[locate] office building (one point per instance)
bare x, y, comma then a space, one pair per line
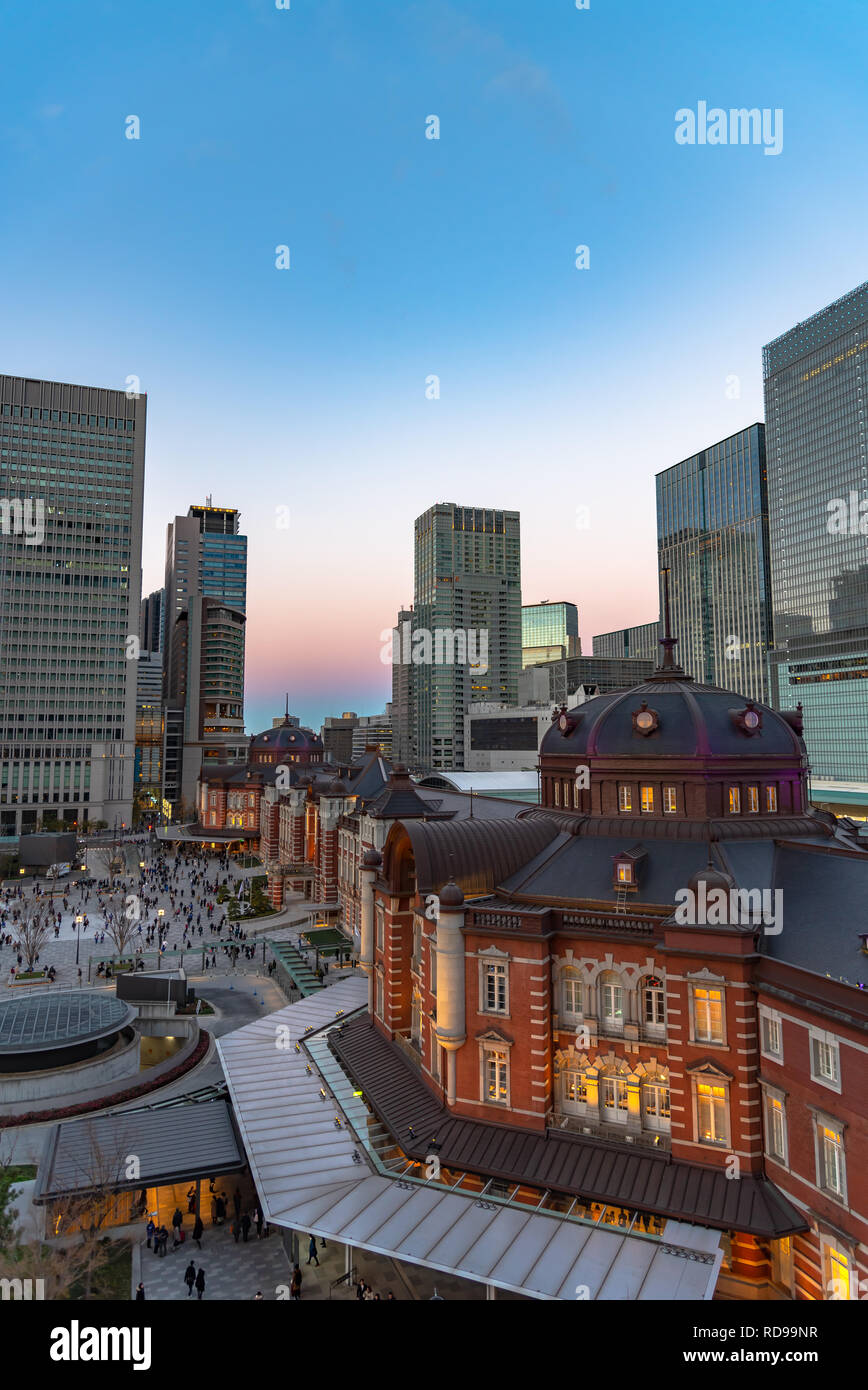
152, 622
72, 463
207, 684
561, 682
818, 496
549, 632
630, 643
712, 537
403, 744
149, 726
466, 639
373, 732
337, 736
504, 738
205, 554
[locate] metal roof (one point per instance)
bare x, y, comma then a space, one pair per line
48, 1019
589, 1168
301, 1146
172, 1145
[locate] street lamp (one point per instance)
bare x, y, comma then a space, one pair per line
78, 921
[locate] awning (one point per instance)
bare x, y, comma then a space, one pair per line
326, 940
172, 1145
312, 1175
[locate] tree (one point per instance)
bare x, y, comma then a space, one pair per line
126, 912
109, 859
32, 933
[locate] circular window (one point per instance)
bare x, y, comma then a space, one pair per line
751, 719
645, 720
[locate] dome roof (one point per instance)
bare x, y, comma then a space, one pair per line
686, 720
712, 877
286, 736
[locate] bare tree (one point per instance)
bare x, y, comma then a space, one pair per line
109, 859
32, 932
126, 915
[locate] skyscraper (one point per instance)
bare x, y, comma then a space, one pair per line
818, 494
403, 741
630, 643
466, 631
151, 625
203, 659
71, 480
549, 632
712, 536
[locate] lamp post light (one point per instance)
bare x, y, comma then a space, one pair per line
78, 921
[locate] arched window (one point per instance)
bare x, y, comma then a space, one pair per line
613, 1098
572, 1004
611, 1002
574, 1091
655, 1102
652, 1003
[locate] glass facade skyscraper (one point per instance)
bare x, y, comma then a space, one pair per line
818, 479
467, 583
72, 463
712, 536
630, 643
545, 627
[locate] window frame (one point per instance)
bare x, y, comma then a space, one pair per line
773, 1018
820, 1038
625, 798
775, 1104
646, 799
707, 987
491, 963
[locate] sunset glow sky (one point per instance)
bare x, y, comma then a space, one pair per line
305, 388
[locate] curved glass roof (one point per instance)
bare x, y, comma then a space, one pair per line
47, 1020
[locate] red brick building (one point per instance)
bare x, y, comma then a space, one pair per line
645, 996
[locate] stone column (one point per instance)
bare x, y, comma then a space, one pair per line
451, 1030
371, 861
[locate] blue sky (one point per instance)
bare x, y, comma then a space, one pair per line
305, 388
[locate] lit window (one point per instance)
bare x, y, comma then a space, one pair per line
837, 1271
656, 1098
711, 1113
776, 1133
753, 798
648, 800
557, 793
575, 1090
614, 1099
771, 798
670, 803
625, 800
708, 1014
496, 1077
734, 801
625, 873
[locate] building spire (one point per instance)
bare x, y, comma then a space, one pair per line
668, 666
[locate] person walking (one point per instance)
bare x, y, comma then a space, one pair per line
311, 1251
177, 1223
245, 1226
190, 1277
140, 1293
361, 1289
200, 1282
295, 1284
151, 1231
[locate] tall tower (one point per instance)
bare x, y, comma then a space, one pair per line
712, 537
71, 481
818, 494
466, 640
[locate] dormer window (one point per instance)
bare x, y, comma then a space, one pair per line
624, 873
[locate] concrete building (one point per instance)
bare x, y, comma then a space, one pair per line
71, 479
818, 495
205, 554
504, 738
337, 736
466, 631
152, 622
373, 731
566, 678
712, 537
403, 740
640, 643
